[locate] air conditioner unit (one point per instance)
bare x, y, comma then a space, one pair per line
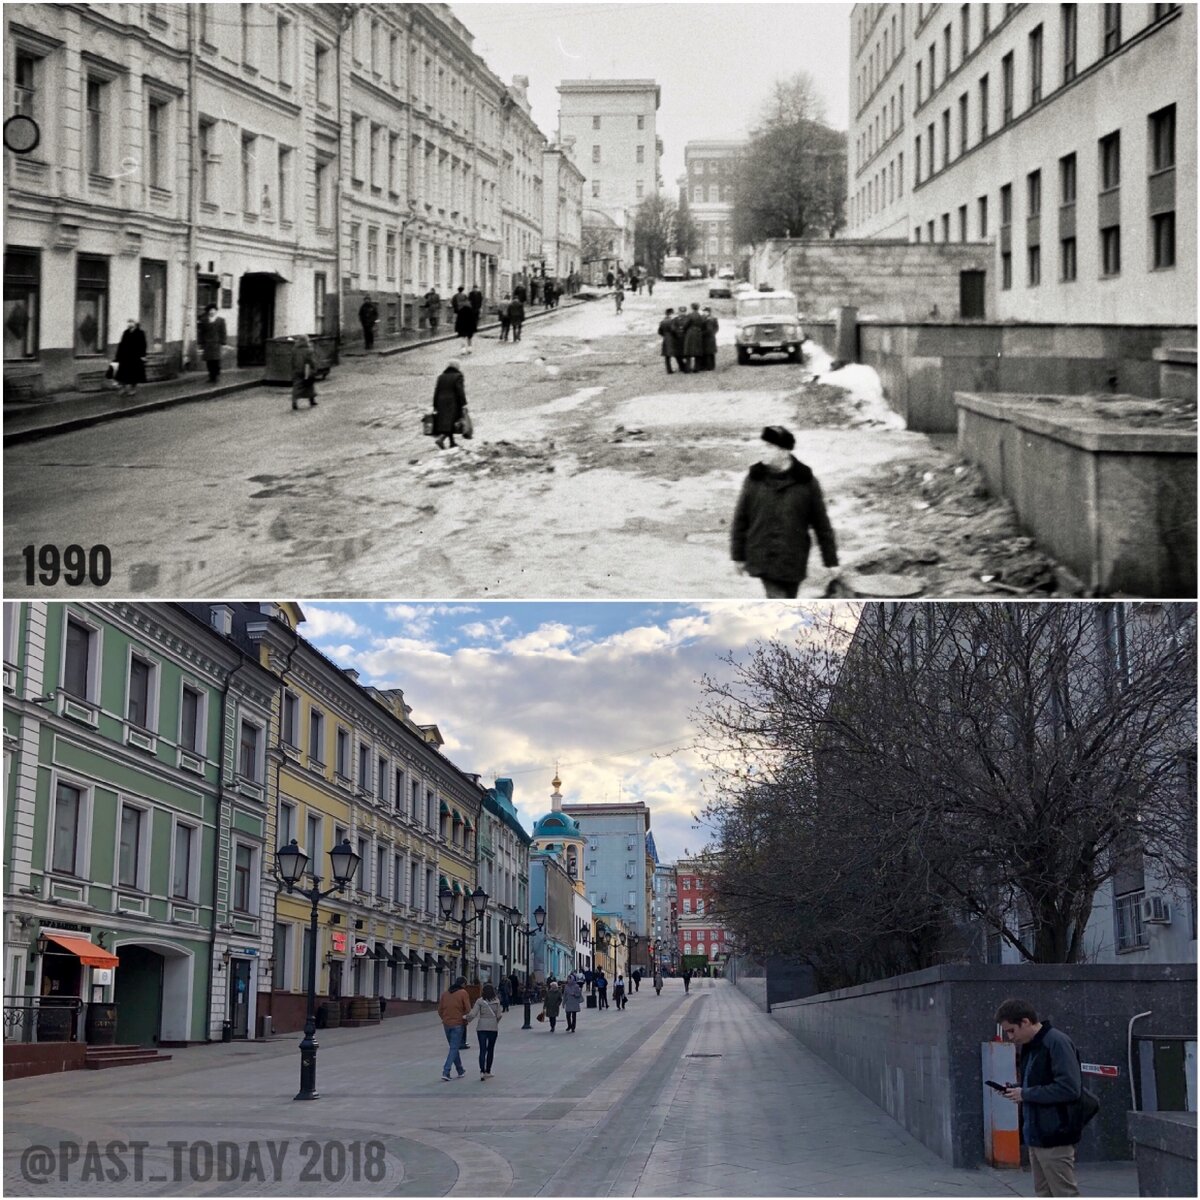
1155, 911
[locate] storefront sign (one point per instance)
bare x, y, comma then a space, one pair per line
339, 942
360, 949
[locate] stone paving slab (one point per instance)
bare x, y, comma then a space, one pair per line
618, 1109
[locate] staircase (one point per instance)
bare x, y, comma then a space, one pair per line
100, 1057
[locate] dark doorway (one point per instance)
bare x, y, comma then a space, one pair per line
138, 996
256, 317
970, 294
239, 996
335, 981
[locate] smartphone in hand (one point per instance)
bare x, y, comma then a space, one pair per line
996, 1087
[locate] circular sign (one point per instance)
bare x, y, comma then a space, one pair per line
21, 134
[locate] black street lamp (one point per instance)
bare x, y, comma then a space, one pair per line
292, 861
454, 908
539, 917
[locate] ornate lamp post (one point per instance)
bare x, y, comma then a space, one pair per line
539, 917
454, 908
292, 861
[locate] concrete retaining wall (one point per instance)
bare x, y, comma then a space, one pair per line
1165, 1150
911, 1043
1129, 486
755, 987
888, 280
922, 366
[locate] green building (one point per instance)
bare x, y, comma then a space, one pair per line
138, 788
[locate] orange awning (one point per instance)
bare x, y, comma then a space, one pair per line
89, 953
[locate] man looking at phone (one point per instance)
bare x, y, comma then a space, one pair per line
1051, 1085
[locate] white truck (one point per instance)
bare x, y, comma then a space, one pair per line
767, 323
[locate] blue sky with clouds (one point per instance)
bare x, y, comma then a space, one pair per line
606, 690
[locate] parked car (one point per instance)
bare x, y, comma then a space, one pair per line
768, 323
719, 289
725, 273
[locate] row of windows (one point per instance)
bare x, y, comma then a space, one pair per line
1161, 233
69, 845
640, 117
639, 189
639, 155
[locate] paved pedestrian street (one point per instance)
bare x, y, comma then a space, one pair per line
592, 474
678, 1095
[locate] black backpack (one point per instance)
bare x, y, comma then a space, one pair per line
1080, 1112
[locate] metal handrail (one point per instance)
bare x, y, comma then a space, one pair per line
23, 1017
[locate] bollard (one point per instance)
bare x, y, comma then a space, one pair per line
846, 338
1001, 1133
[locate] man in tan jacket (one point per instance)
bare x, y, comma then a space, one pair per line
454, 1008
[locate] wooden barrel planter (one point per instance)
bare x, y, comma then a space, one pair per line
358, 1008
332, 1013
54, 1024
373, 1012
100, 1025
344, 1004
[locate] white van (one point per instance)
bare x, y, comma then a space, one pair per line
767, 323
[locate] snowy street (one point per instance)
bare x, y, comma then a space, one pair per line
592, 474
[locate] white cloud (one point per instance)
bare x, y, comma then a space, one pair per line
320, 622
479, 630
549, 637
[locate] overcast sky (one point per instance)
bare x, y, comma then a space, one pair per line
715, 62
606, 690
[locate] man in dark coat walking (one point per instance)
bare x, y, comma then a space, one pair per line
711, 325
433, 310
779, 503
680, 321
516, 317
368, 314
693, 338
449, 404
670, 339
476, 298
131, 359
211, 338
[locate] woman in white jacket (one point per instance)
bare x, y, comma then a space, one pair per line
488, 1013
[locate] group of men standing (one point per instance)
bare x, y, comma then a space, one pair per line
690, 338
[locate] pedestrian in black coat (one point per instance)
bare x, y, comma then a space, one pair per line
711, 325
449, 404
465, 321
516, 317
670, 339
304, 372
210, 338
780, 503
693, 338
505, 319
131, 358
368, 314
476, 298
519, 293
680, 322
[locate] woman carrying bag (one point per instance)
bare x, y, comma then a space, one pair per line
487, 1011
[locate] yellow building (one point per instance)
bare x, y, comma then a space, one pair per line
352, 765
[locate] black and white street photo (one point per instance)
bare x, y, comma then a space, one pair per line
948, 251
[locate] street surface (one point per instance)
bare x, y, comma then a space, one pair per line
675, 1096
592, 474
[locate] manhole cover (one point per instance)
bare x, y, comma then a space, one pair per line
701, 1056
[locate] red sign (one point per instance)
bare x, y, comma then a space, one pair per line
339, 942
360, 949
1100, 1069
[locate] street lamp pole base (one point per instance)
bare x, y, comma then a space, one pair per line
307, 1096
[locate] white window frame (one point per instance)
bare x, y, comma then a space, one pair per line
365, 757
142, 866
155, 98
284, 835
201, 718
193, 889
284, 968
294, 699
383, 777
255, 885
342, 739
314, 853
322, 748
151, 725
95, 647
260, 753
83, 828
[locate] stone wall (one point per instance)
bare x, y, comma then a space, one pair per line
1165, 1148
884, 280
921, 366
912, 1043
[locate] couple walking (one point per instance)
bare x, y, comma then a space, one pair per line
568, 999
456, 1012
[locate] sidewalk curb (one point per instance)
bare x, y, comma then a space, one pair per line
71, 424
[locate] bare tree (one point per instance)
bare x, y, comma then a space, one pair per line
952, 768
653, 229
792, 181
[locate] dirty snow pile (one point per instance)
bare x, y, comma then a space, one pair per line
862, 385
